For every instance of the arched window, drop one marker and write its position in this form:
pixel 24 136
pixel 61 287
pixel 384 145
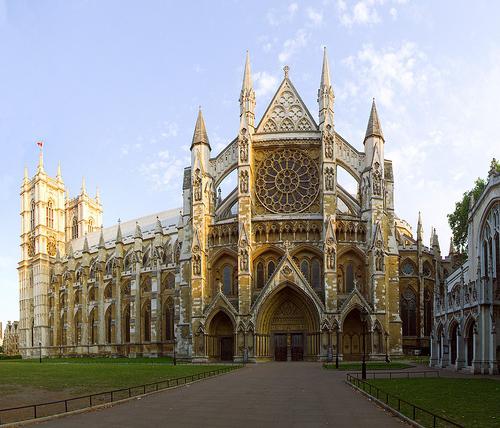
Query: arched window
pixel 147 324
pixel 228 280
pixel 126 316
pixel 260 275
pixel 32 215
pixel 169 322
pixel 50 215
pixel 349 278
pixel 271 266
pixel 409 312
pixel 91 225
pixel 304 268
pixel 316 274
pixel 109 325
pixel 74 228
pixel 427 312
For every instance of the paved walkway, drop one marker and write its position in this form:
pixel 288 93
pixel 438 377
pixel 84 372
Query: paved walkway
pixel 261 395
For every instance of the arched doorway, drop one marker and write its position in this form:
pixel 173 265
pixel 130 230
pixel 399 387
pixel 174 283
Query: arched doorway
pixel 221 337
pixel 453 344
pixel 288 327
pixel 352 336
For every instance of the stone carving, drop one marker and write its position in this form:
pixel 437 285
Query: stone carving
pixel 377 180
pixel 287 181
pixel 243 146
pixel 196 264
pixel 244 259
pixel 244 181
pixel 328 141
pixel 330 258
pixel 197 185
pixel 329 179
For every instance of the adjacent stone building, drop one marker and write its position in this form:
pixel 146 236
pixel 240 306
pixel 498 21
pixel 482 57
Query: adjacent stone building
pixel 467 303
pixel 11 339
pixel 290 265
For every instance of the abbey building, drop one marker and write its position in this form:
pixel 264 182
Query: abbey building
pixel 289 266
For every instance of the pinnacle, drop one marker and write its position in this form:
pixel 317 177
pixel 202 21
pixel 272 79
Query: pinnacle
pixel 325 72
pixel 200 131
pixel 247 75
pixel 374 129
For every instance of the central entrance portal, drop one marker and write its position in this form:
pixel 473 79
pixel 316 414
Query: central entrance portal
pixel 288 346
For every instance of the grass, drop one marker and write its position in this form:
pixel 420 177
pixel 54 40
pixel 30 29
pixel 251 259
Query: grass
pixel 470 402
pixel 79 376
pixel 370 365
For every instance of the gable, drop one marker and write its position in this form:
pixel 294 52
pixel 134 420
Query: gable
pixel 287 112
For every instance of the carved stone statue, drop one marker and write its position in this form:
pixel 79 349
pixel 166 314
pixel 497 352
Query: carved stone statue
pixel 330 258
pixel 377 180
pixel 329 179
pixel 197 185
pixel 244 182
pixel 196 264
pixel 243 146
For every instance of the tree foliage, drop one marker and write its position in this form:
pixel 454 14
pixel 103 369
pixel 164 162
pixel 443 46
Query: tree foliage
pixel 458 218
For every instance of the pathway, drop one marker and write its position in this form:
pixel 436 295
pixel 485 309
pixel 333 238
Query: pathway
pixel 260 395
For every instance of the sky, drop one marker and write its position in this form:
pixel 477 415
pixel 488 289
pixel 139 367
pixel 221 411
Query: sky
pixel 113 88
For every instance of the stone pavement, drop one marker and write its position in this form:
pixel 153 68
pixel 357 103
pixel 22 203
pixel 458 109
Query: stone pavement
pixel 260 395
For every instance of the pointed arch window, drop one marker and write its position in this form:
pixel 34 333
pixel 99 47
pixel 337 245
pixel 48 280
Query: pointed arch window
pixel 316 274
pixel 260 275
pixel 32 215
pixel 50 215
pixel 427 312
pixel 304 268
pixel 271 266
pixel 409 312
pixel 349 278
pixel 91 225
pixel 227 280
pixel 169 322
pixel 74 228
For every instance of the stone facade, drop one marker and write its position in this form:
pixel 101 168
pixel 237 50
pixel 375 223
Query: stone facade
pixel 11 339
pixel 289 265
pixel 467 302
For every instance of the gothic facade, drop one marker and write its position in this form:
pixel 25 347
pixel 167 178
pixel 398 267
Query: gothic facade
pixel 290 265
pixel 467 302
pixel 11 339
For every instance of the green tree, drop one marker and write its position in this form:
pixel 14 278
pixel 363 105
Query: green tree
pixel 458 218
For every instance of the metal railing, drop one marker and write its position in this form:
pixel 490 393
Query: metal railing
pixel 40 410
pixel 411 411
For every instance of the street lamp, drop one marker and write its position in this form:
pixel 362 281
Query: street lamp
pixel 387 360
pixel 337 349
pixel 364 316
pixel 40 347
pixel 175 346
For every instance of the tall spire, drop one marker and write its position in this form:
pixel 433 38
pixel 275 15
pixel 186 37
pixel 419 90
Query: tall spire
pixel 58 174
pixel 420 229
pixel 247 97
pixel 101 239
pixel 40 160
pixel 325 94
pixel 200 131
pixel 26 176
pixel 325 72
pixel 85 245
pixel 374 129
pixel 83 189
pixel 119 237
pixel 452 247
pixel 97 195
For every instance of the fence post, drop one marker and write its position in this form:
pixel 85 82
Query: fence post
pixel 66 406
pixel 399 404
pixel 129 392
pixel 414 411
pixel 34 410
pixel 434 421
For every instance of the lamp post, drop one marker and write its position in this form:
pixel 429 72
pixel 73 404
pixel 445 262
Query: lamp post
pixel 175 346
pixel 40 347
pixel 337 349
pixel 387 360
pixel 364 315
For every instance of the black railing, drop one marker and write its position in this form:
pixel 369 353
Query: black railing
pixel 40 410
pixel 407 409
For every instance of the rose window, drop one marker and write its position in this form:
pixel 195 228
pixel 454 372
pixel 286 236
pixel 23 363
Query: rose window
pixel 287 181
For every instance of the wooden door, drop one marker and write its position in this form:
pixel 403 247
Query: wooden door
pixel 226 348
pixel 297 347
pixel 280 347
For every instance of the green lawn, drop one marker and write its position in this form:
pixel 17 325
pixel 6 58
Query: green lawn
pixel 70 377
pixel 370 365
pixel 470 402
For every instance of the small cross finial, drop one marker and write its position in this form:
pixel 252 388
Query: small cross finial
pixel 119 221
pixel 286 69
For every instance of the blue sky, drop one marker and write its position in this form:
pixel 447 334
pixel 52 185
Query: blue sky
pixel 113 89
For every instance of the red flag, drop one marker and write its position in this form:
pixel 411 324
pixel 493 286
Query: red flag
pixel 39 144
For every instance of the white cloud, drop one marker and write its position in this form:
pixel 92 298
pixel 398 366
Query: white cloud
pixel 366 12
pixel 316 17
pixel 264 83
pixel 164 170
pixel 276 17
pixel 291 46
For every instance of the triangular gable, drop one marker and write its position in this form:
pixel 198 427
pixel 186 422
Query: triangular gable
pixel 220 301
pixel 377 235
pixel 287 112
pixel 287 272
pixel 355 299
